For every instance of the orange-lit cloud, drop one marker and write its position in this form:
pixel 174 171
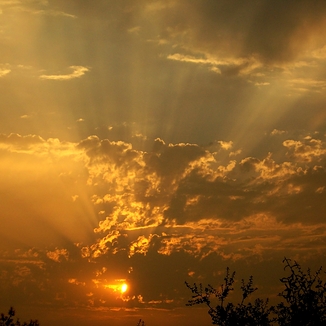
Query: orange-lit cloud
pixel 146 190
pixel 58 254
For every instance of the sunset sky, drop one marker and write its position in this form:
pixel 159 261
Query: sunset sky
pixel 145 143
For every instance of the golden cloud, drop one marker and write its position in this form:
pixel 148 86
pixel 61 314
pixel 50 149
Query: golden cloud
pixel 78 71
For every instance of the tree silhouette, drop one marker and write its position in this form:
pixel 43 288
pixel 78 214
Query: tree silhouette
pixel 8 320
pixel 304 295
pixel 230 314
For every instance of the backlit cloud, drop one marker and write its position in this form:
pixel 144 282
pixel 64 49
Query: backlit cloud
pixel 242 66
pixel 178 185
pixel 77 73
pixel 4 72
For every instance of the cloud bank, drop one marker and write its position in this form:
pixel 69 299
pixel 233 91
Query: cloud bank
pixel 177 201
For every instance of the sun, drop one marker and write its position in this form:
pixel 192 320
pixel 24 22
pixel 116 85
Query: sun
pixel 124 288
pixel 119 285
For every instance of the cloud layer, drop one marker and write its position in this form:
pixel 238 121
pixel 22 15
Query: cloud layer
pixel 176 205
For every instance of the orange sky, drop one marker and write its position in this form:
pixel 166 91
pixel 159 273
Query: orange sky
pixel 150 143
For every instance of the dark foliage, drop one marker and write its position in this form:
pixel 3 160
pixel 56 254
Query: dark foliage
pixel 304 305
pixel 8 320
pixel 305 297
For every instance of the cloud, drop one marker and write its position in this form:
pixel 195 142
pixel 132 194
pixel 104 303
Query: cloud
pixel 15 142
pixel 262 84
pixel 188 58
pixel 78 72
pixel 159 5
pixel 165 174
pixel 285 38
pixel 277 132
pixel 232 39
pixel 179 185
pixel 25 116
pixel 4 71
pixel 33 7
pixel 307 84
pixel 58 254
pixel 10 2
pixel 307 150
pixel 135 29
pixel 228 66
pixel 176 205
pixel 175 184
pixel 243 30
pixel 30 160
pixel 46 12
pixel 226 145
pixel 319 53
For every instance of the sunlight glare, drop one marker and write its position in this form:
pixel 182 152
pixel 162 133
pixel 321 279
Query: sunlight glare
pixel 124 288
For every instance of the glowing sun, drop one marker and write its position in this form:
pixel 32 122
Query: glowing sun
pixel 124 288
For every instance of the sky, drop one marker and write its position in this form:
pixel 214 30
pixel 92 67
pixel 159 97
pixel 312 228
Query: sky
pixel 152 142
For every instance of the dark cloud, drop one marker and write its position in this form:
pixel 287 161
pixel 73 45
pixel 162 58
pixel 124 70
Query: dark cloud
pixel 275 32
pixel 280 32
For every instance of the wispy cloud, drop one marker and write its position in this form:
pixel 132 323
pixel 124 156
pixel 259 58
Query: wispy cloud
pixel 307 84
pixel 242 66
pixel 78 72
pixel 48 13
pixel 135 29
pixel 4 71
pixel 33 7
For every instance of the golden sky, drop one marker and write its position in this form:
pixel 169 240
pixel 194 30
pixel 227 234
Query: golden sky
pixel 147 143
